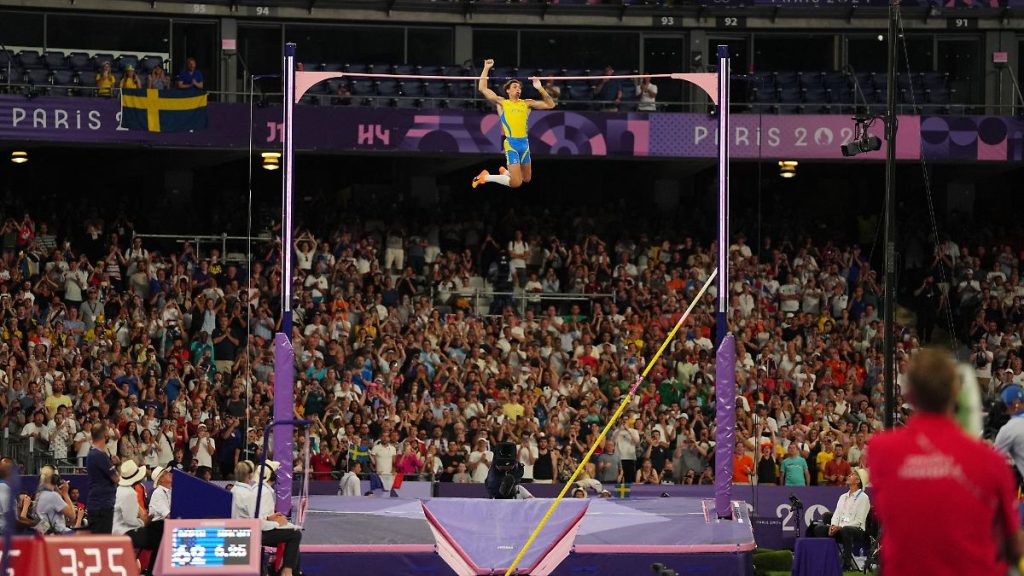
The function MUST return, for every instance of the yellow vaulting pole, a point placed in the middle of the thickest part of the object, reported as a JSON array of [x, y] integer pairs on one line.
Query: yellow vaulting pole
[[622, 407]]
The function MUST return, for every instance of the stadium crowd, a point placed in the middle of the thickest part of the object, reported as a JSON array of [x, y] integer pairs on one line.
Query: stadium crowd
[[404, 371]]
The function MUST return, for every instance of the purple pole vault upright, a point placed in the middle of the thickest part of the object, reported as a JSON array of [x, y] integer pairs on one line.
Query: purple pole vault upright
[[284, 364], [725, 387]]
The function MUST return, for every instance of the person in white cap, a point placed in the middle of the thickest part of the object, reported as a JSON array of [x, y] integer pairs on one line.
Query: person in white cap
[[159, 510], [129, 518], [275, 526]]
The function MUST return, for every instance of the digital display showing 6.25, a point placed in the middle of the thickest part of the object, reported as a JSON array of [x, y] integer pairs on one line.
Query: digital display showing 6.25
[[196, 547]]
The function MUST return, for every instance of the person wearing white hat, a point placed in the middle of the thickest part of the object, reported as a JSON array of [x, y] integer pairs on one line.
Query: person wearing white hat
[[129, 518], [850, 516], [275, 526], [159, 510]]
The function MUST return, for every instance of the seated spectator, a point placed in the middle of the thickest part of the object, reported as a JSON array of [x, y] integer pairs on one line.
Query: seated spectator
[[849, 518], [158, 79], [105, 81], [130, 80], [129, 518], [190, 77]]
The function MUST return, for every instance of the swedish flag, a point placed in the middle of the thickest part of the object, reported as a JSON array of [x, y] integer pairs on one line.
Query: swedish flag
[[623, 490], [163, 110]]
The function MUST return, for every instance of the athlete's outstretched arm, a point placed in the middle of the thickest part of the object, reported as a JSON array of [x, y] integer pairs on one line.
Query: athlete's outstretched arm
[[546, 102], [482, 84]]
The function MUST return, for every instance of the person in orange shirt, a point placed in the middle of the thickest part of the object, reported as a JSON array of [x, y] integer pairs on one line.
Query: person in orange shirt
[[742, 464]]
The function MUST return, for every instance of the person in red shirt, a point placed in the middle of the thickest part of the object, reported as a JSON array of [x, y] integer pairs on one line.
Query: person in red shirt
[[945, 501], [742, 464], [837, 469], [322, 463]]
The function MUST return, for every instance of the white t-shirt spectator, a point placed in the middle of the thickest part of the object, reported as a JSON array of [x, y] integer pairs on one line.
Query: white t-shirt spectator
[[385, 457], [204, 455], [648, 96], [480, 464], [789, 297], [74, 281]]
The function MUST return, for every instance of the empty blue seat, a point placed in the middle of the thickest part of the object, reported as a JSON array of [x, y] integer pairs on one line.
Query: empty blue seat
[[411, 88], [381, 68], [311, 66], [433, 104], [355, 68], [64, 77], [430, 70], [37, 76], [332, 67], [55, 60], [79, 61], [148, 63], [29, 59], [435, 89], [786, 79], [811, 79], [387, 87]]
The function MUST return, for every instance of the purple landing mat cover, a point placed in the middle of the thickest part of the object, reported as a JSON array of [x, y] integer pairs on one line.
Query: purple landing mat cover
[[654, 525], [384, 536], [487, 535]]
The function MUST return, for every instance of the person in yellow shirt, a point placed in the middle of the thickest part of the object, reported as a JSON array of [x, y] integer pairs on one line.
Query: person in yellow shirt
[[130, 80], [513, 112], [105, 81], [823, 458]]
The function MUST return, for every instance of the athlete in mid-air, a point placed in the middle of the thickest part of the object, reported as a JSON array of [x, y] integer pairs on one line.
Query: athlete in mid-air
[[513, 113]]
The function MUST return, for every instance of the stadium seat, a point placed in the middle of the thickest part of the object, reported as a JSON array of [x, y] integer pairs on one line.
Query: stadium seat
[[786, 80], [433, 104], [310, 66], [148, 63], [55, 60], [79, 61], [126, 60], [404, 69], [411, 88], [99, 59], [816, 100], [38, 77], [87, 82], [790, 100], [355, 68], [387, 87], [811, 79], [30, 59], [64, 78], [380, 68], [332, 67], [435, 89]]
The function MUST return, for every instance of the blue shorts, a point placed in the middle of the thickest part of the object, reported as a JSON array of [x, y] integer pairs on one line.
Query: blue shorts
[[517, 151]]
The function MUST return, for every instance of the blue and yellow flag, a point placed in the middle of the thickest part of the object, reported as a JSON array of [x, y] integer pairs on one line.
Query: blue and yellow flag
[[163, 110], [623, 490]]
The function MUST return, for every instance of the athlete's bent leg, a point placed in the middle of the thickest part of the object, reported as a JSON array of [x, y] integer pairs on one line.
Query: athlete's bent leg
[[527, 170]]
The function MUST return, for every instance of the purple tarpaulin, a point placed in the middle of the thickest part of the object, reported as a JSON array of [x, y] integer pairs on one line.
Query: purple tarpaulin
[[284, 402], [555, 133], [725, 422]]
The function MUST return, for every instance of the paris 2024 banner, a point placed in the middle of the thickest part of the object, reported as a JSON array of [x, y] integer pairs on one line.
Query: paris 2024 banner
[[339, 129]]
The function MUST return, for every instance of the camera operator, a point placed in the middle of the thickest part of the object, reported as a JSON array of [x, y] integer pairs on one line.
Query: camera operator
[[503, 478]]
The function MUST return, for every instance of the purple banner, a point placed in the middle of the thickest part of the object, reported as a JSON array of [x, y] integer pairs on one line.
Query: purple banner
[[665, 135]]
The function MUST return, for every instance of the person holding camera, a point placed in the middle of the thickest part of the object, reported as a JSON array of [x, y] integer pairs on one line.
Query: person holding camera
[[53, 506]]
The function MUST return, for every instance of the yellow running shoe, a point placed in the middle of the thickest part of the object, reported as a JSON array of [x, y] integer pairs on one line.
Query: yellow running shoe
[[481, 178]]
